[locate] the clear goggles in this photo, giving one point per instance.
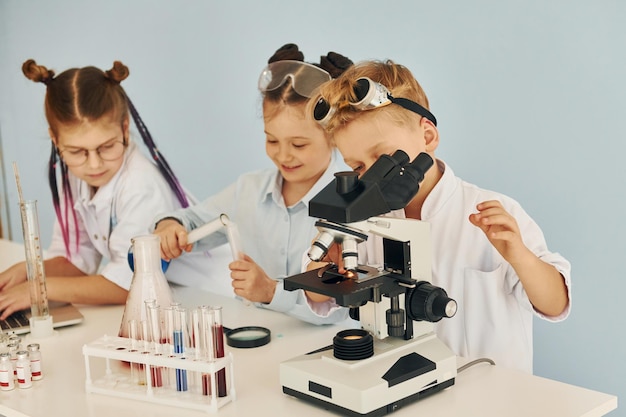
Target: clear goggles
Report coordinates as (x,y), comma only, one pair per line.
(305,78)
(370,95)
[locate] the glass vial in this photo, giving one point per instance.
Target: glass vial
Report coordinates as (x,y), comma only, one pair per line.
(7,380)
(24,374)
(13,348)
(35,361)
(149,282)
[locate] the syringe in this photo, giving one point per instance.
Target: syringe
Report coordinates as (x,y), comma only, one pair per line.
(40,321)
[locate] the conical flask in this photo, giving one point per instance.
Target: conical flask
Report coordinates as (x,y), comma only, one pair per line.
(149,282)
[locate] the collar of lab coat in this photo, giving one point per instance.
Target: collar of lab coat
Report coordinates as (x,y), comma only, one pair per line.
(441,192)
(274,187)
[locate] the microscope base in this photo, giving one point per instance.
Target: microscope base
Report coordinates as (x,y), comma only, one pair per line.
(399,372)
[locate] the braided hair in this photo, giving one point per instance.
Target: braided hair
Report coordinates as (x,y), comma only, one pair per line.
(80,94)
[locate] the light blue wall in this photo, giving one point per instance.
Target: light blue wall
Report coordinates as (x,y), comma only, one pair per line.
(529,95)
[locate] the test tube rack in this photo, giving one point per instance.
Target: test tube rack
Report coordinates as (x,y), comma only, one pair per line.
(119,384)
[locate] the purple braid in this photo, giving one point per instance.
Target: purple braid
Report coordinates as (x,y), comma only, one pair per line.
(68,200)
(164,167)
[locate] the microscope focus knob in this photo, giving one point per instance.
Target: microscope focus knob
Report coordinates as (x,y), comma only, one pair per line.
(427,302)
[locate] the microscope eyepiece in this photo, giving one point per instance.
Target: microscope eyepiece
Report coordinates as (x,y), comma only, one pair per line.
(385,167)
(347,182)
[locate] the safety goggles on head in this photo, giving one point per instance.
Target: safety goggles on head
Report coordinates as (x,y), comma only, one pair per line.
(305,78)
(370,95)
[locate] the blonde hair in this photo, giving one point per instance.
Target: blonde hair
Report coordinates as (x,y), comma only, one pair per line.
(339,93)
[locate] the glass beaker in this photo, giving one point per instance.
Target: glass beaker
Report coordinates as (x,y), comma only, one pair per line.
(149,282)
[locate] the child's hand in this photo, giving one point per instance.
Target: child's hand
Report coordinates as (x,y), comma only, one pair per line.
(173,239)
(13,276)
(333,256)
(250,281)
(14,299)
(501,229)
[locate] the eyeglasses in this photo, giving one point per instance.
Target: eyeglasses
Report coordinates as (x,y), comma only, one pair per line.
(370,95)
(109,151)
(305,78)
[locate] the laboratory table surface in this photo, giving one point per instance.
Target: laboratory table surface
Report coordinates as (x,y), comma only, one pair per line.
(481,390)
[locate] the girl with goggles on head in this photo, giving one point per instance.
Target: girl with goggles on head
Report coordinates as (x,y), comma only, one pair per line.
(270,207)
(488,254)
(103,188)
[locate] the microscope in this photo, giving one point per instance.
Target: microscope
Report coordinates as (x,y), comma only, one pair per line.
(395,358)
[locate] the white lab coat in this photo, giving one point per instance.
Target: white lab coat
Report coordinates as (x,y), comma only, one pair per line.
(494,317)
(119,211)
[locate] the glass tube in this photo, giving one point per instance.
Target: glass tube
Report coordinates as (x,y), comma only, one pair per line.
(154,329)
(179,341)
(34,260)
(167,340)
(218,340)
(208,351)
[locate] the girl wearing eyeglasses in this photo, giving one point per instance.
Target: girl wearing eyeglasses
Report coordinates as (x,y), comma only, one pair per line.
(270,207)
(103,188)
(488,254)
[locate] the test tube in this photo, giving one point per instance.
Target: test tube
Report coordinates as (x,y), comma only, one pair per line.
(206,326)
(41,321)
(196,343)
(137,374)
(154,328)
(234,240)
(179,341)
(167,333)
(167,338)
(218,340)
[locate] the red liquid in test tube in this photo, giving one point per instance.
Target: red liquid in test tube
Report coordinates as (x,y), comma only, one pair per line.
(218,339)
(154,328)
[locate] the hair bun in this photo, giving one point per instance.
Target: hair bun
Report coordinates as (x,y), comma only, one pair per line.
(37,73)
(118,73)
(335,63)
(288,51)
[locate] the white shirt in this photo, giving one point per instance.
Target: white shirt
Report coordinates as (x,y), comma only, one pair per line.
(494,317)
(107,221)
(272,234)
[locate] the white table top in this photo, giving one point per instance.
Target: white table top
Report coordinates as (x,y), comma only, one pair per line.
(482,390)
